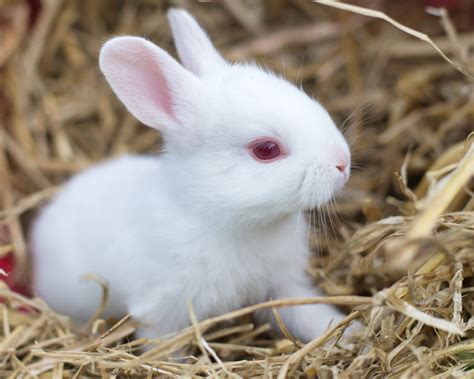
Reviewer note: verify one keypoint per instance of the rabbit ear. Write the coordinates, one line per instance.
(155, 88)
(195, 49)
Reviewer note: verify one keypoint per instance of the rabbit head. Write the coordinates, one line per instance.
(240, 141)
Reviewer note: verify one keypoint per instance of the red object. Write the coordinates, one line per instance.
(7, 264)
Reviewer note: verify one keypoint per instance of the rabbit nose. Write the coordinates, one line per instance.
(341, 167)
(341, 160)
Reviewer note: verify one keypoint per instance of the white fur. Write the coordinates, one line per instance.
(205, 221)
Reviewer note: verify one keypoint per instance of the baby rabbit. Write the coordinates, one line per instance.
(218, 218)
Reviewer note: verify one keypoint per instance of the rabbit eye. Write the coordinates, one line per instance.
(265, 150)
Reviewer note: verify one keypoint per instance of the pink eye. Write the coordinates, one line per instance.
(265, 150)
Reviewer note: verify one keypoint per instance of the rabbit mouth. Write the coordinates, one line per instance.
(317, 189)
(320, 183)
(317, 195)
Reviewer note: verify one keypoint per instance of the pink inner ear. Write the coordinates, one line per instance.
(146, 79)
(154, 86)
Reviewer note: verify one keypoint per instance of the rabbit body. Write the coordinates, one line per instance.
(165, 255)
(218, 219)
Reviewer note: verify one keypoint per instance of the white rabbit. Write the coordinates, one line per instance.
(218, 218)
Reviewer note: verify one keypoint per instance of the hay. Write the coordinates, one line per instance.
(406, 244)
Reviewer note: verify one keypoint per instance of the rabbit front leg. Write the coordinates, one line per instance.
(305, 322)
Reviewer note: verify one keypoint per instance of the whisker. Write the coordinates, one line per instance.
(342, 214)
(320, 230)
(323, 223)
(298, 73)
(332, 228)
(344, 125)
(298, 219)
(332, 224)
(282, 57)
(309, 227)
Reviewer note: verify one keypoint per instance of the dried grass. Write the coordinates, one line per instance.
(406, 245)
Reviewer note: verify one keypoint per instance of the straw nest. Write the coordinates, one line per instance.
(401, 259)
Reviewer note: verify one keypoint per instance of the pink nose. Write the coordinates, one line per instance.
(341, 159)
(341, 167)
